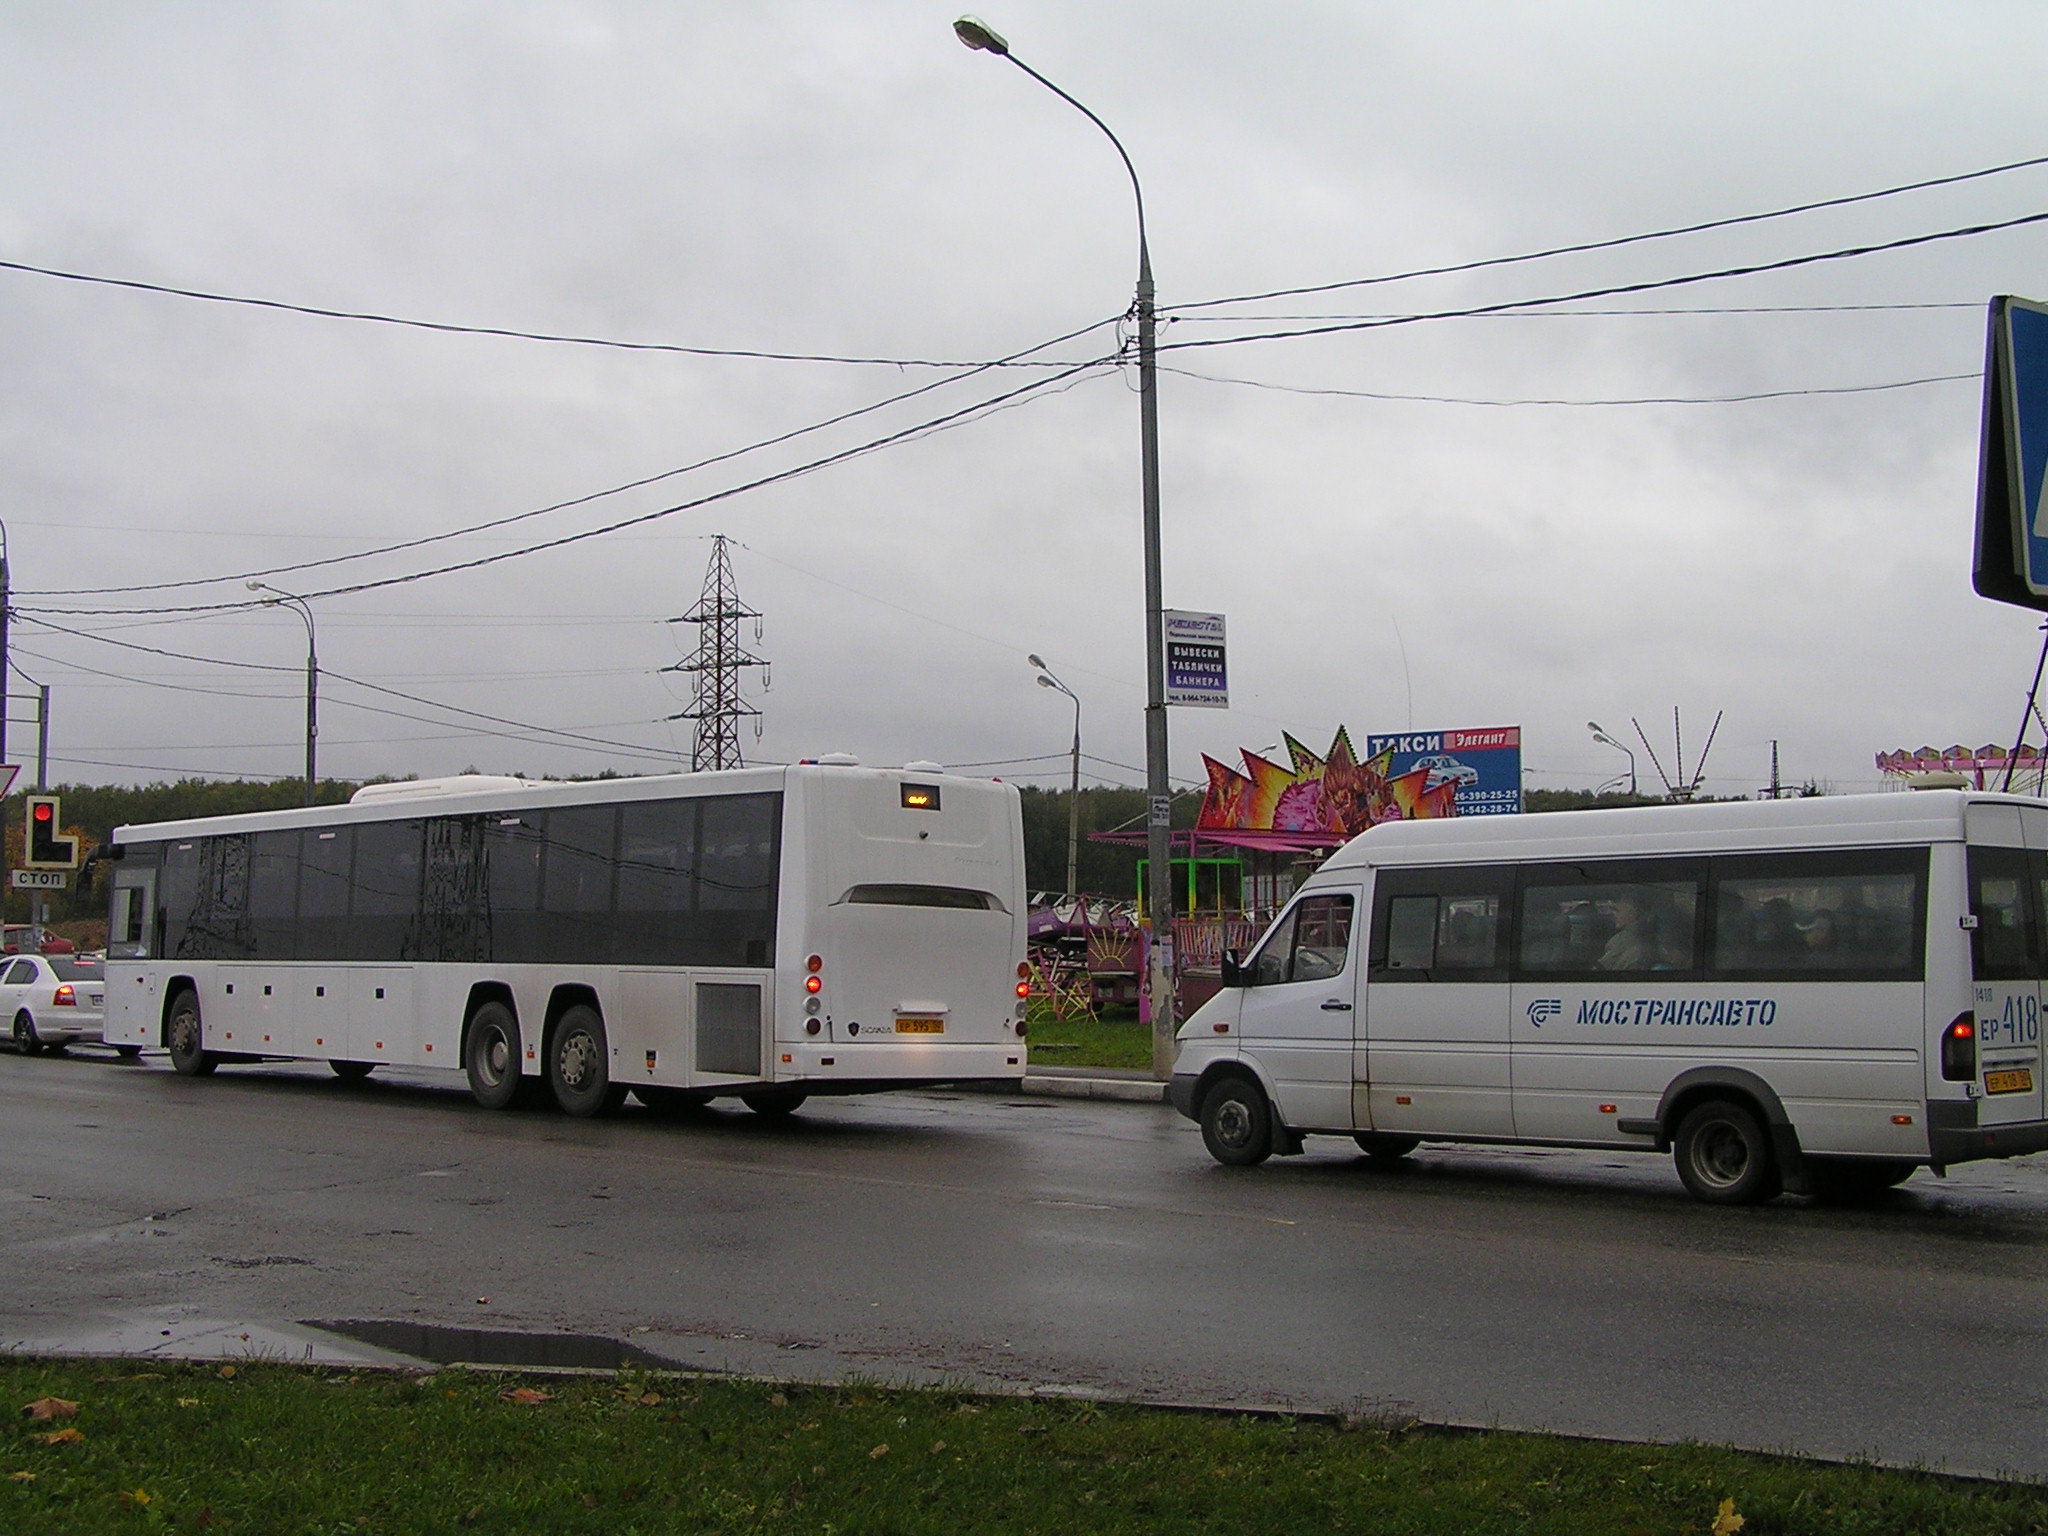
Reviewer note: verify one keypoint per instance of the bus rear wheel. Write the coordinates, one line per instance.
(490, 1056)
(775, 1101)
(352, 1071)
(579, 1066)
(1237, 1124)
(185, 1038)
(1724, 1155)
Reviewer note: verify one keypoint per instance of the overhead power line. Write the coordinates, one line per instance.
(970, 371)
(1761, 394)
(1037, 387)
(452, 328)
(1649, 285)
(1618, 241)
(1583, 314)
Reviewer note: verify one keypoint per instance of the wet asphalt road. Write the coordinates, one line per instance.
(1051, 1243)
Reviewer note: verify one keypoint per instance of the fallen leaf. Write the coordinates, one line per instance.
(50, 1408)
(188, 1402)
(525, 1396)
(777, 1400)
(1727, 1522)
(70, 1434)
(878, 1453)
(650, 1399)
(227, 1373)
(21, 1477)
(138, 1496)
(591, 1501)
(938, 1446)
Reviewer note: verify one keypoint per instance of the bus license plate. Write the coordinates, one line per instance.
(2019, 1080)
(920, 1026)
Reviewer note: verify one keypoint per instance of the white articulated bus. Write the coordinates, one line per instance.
(1814, 995)
(769, 933)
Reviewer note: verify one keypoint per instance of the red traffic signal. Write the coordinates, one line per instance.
(46, 850)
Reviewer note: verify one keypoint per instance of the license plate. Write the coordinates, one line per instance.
(2019, 1080)
(920, 1026)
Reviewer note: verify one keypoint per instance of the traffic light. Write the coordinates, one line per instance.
(46, 850)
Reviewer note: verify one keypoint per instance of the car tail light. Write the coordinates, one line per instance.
(1959, 1050)
(66, 997)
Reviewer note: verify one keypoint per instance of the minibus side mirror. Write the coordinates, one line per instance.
(1233, 972)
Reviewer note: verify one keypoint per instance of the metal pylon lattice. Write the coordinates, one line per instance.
(718, 662)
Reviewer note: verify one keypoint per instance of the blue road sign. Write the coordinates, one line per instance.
(2012, 518)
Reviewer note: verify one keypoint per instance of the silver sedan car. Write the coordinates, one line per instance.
(53, 1000)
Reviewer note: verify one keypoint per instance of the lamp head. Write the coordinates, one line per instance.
(980, 36)
(1036, 662)
(253, 586)
(1046, 682)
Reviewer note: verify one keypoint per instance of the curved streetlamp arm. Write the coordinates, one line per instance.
(1137, 191)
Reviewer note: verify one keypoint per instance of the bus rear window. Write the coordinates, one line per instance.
(923, 896)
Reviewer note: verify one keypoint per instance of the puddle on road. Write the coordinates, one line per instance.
(443, 1345)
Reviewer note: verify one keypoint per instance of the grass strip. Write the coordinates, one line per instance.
(1107, 1042)
(275, 1448)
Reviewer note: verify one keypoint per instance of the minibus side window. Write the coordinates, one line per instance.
(1588, 921)
(1839, 915)
(1440, 924)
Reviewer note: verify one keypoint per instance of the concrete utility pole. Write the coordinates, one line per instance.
(718, 662)
(1158, 793)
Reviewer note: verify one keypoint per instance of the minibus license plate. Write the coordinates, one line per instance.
(2019, 1080)
(920, 1026)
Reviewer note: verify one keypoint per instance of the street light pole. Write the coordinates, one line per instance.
(1158, 793)
(305, 611)
(1600, 735)
(1047, 680)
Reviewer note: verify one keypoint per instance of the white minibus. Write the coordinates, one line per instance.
(1816, 995)
(765, 933)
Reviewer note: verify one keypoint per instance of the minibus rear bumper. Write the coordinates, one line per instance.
(1954, 1136)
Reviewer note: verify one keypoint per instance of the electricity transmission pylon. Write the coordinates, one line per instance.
(718, 662)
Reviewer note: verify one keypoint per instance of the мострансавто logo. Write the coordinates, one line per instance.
(1746, 1012)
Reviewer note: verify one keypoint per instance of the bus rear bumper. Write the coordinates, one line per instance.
(886, 1061)
(1954, 1136)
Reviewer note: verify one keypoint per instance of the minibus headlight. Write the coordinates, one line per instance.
(1959, 1050)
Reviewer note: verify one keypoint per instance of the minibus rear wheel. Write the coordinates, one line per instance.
(1237, 1123)
(1724, 1155)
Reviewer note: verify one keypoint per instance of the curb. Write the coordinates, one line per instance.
(1125, 1090)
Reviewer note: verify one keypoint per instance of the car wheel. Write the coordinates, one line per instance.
(26, 1040)
(775, 1101)
(352, 1071)
(1724, 1155)
(1237, 1124)
(672, 1101)
(579, 1065)
(490, 1055)
(1385, 1146)
(186, 1038)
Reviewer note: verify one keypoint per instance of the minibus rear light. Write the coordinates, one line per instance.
(813, 985)
(1959, 1049)
(1023, 989)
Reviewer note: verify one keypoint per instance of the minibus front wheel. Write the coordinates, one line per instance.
(1237, 1123)
(1724, 1155)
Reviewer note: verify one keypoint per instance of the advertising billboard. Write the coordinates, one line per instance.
(1479, 771)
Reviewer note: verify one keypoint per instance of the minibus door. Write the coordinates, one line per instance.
(2007, 890)
(1295, 1018)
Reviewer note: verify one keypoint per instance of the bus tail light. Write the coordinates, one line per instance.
(813, 985)
(1023, 989)
(1959, 1050)
(66, 997)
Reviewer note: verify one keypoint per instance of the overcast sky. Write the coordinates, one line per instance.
(844, 179)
